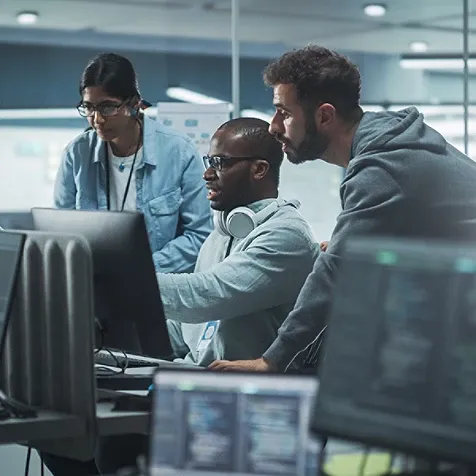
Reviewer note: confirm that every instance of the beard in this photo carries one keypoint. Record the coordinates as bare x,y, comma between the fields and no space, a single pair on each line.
313,146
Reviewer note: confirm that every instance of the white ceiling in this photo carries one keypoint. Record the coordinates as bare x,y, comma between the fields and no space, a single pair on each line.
338,24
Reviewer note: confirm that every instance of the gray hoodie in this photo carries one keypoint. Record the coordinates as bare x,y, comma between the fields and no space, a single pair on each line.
403,180
248,294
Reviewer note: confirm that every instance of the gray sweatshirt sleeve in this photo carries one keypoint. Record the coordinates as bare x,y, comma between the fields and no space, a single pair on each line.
372,205
270,272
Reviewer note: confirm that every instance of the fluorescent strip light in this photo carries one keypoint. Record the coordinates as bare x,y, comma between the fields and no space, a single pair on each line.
187,95
39,114
258,114
429,111
372,108
419,46
455,64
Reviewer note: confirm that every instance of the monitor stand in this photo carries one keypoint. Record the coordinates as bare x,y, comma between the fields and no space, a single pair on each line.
10,408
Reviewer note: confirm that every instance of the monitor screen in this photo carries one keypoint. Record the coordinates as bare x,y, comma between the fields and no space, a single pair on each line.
128,306
206,423
11,247
399,368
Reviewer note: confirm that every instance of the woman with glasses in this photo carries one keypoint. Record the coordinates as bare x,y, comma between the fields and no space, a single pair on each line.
127,161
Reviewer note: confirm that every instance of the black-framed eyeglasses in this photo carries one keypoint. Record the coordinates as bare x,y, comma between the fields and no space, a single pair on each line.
106,109
217,162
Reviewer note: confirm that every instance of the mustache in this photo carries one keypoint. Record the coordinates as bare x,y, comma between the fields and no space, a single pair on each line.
280,138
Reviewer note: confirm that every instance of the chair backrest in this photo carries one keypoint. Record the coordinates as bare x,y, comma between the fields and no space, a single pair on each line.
49,352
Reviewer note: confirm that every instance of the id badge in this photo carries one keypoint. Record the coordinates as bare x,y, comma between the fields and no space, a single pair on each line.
207,335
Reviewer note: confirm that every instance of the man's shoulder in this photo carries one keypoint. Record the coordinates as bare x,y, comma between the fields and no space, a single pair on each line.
289,218
285,229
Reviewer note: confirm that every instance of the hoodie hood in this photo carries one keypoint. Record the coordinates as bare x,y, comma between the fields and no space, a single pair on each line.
405,129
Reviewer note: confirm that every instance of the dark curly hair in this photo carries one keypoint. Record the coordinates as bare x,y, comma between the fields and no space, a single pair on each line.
319,75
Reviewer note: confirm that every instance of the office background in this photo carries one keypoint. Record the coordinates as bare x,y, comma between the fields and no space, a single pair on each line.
408,52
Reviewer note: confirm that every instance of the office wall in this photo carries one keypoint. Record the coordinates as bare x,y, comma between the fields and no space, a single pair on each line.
46,76
28,162
49,76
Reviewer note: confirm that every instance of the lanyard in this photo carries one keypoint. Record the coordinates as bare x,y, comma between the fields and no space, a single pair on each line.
108,179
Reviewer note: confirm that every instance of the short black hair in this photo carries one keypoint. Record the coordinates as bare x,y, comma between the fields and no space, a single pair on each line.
114,73
261,141
319,75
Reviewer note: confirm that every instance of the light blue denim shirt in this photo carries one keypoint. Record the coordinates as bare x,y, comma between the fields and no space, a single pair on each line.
171,191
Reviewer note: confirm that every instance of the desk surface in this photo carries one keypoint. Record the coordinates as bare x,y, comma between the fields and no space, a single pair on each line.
120,423
47,426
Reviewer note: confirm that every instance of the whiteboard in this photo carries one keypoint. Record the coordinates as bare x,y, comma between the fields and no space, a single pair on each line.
197,121
316,185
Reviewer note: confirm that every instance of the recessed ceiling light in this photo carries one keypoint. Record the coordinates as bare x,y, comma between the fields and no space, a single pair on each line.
27,18
375,9
419,46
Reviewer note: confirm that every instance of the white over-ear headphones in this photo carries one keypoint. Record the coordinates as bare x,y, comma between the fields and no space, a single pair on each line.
241,221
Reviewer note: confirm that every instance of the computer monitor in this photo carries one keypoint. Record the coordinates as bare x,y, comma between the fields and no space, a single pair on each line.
11,249
128,306
399,367
210,424
20,220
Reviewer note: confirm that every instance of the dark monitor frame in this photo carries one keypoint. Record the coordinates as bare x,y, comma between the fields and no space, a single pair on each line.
344,417
128,305
14,243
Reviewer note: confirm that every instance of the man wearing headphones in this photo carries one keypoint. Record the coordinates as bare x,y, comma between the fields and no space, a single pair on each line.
251,268
248,275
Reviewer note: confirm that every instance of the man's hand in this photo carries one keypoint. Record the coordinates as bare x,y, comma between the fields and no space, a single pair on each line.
324,245
258,365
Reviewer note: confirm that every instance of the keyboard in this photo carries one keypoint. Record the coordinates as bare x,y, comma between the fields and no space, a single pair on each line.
114,358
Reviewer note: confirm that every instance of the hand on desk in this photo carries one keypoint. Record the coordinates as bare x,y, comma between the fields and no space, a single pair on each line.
258,365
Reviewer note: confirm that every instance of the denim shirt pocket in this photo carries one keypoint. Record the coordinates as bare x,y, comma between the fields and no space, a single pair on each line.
163,217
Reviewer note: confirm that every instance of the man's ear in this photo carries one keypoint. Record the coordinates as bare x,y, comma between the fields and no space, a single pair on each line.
259,169
324,115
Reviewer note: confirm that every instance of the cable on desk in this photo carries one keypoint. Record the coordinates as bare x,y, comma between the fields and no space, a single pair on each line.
391,462
363,461
101,330
322,458
27,461
11,408
122,367
106,370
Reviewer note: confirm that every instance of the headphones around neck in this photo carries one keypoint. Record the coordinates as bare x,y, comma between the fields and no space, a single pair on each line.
241,221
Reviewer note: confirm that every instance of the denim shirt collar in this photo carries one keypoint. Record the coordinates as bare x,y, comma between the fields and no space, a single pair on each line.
149,145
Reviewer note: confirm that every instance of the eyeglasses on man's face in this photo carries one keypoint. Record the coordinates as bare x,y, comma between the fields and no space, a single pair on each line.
217,162
106,108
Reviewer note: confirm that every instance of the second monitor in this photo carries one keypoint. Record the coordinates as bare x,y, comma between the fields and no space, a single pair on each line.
128,306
